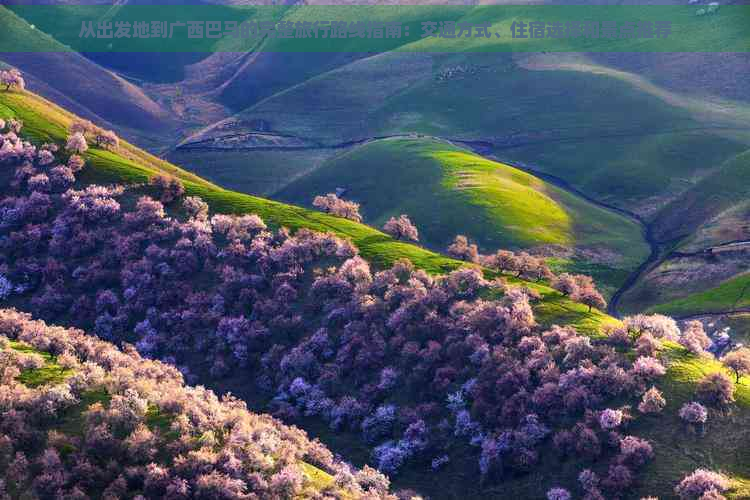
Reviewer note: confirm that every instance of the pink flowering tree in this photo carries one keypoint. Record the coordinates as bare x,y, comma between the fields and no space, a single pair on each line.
647,368
45,157
694,413
401,228
700,482
107,139
76,143
81,126
503,260
635,452
589,481
461,249
738,361
591,297
75,163
15,125
658,325
168,188
716,389
12,78
694,337
566,284
610,419
652,401
334,205
559,494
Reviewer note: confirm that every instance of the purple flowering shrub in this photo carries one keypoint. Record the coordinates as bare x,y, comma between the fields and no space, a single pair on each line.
702,483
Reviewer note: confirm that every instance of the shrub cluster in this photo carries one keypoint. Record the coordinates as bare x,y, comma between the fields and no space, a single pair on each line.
81,131
579,287
124,425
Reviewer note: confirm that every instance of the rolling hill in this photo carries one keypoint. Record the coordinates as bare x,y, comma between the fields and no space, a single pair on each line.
446,189
638,162
675,152
46,122
703,233
705,203
533,121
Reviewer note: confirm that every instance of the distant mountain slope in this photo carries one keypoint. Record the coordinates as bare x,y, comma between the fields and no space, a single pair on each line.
704,232
92,88
589,136
726,187
274,68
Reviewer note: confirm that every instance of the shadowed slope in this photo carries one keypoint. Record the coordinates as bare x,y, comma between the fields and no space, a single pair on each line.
90,86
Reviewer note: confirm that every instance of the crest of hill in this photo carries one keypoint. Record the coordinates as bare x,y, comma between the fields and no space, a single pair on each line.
447,189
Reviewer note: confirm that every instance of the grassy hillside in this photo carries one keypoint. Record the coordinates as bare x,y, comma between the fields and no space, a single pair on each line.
732,295
46,122
530,115
636,139
263,173
447,190
258,80
620,167
273,70
63,22
725,188
712,212
527,115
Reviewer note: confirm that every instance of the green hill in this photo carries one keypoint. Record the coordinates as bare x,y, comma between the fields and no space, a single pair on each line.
525,115
631,137
607,137
86,87
446,190
712,213
731,295
726,187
